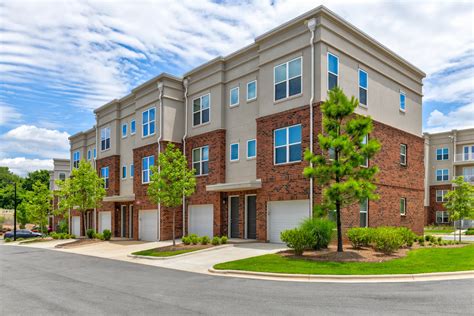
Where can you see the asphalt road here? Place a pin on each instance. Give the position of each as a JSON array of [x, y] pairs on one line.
[[44, 282]]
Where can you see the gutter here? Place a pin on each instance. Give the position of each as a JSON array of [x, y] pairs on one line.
[[312, 27], [160, 136], [185, 83]]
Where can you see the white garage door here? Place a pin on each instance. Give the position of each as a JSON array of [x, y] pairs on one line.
[[201, 220], [105, 221], [76, 225], [148, 225], [283, 215]]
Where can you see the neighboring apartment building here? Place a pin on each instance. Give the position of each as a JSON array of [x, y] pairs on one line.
[[244, 122], [447, 155], [61, 171]]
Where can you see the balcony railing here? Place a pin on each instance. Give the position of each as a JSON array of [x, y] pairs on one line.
[[467, 178], [464, 157]]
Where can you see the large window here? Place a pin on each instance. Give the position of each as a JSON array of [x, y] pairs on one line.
[[201, 160], [287, 79], [333, 71], [251, 148], [442, 217], [148, 122], [104, 173], [440, 195], [132, 170], [105, 138], [201, 110], [133, 127], [364, 211], [76, 157], [364, 142], [124, 171], [363, 87], [466, 150], [89, 154], [95, 153], [442, 174], [403, 206], [234, 96], [442, 154], [403, 97], [124, 130], [234, 152], [403, 154], [147, 162], [252, 90], [287, 144], [62, 176]]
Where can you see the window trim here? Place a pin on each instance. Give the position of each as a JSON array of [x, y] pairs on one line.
[[124, 175], [287, 145], [360, 87], [200, 161], [148, 123], [288, 96], [443, 213], [105, 129], [106, 178], [404, 101], [95, 153], [149, 171], [256, 91], [442, 153], [443, 193], [404, 199], [132, 167], [134, 123], [200, 111], [404, 155], [89, 154], [126, 130], [366, 212], [59, 176], [330, 72], [238, 152], [253, 157], [366, 164], [74, 160], [442, 175], [230, 97]]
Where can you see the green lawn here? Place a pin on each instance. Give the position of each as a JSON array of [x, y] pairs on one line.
[[417, 261], [438, 231], [156, 253]]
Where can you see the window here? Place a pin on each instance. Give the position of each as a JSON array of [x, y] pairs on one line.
[[333, 71], [201, 107], [251, 148], [252, 90], [133, 127], [287, 79], [442, 217], [62, 176], [95, 154], [234, 152], [364, 210], [402, 101], [363, 87], [89, 154], [442, 175], [466, 153], [440, 195], [124, 130], [234, 96], [364, 142], [132, 170], [148, 122], [403, 154], [287, 144], [331, 153], [201, 160], [147, 162], [104, 173], [442, 154], [124, 172], [75, 159], [403, 206], [105, 138]]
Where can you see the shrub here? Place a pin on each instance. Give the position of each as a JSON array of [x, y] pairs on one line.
[[215, 241], [61, 236], [72, 236], [224, 240], [186, 240], [107, 234], [54, 235], [321, 229], [8, 239], [99, 236], [422, 244], [470, 231], [62, 226], [421, 239], [408, 236], [194, 239], [388, 239], [440, 239], [205, 240], [90, 233], [360, 236], [20, 239], [298, 239]]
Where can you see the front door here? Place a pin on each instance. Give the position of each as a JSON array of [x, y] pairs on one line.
[[252, 217], [123, 216], [234, 217]]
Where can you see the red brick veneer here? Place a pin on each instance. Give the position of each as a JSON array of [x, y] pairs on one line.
[[113, 162], [435, 206]]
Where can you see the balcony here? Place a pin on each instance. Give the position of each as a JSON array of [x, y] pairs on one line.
[[467, 158], [468, 178]]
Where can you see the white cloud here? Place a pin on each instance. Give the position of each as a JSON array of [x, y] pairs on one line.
[[8, 115], [462, 117], [22, 165]]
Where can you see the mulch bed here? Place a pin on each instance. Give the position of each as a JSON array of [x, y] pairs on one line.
[[78, 243]]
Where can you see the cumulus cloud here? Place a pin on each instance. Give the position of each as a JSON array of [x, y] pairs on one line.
[[22, 165], [462, 117]]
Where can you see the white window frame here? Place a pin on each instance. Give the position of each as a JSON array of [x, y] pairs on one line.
[[405, 155], [147, 171], [249, 83], [248, 141], [469, 153], [404, 201], [201, 160], [366, 211], [126, 130], [124, 174], [104, 135], [442, 153], [106, 178], [360, 87], [330, 72], [441, 194], [230, 96], [89, 154], [62, 173], [288, 79], [366, 140], [76, 160], [133, 132], [442, 175], [238, 152], [444, 214], [201, 110], [148, 123], [287, 145], [132, 168], [404, 101], [95, 153]]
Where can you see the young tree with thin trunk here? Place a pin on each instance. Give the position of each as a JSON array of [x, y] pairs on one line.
[[342, 169], [83, 190], [38, 204], [460, 201], [170, 180]]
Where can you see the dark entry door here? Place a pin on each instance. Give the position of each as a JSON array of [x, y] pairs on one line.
[[234, 217], [251, 217]]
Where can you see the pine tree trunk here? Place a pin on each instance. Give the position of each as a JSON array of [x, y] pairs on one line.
[[174, 227], [339, 227]]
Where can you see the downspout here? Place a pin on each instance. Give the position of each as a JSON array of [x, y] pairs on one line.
[[185, 83], [160, 136], [312, 27]]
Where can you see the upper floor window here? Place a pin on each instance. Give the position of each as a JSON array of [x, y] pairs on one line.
[[403, 206], [201, 108], [333, 71], [124, 130], [363, 87], [95, 153], [62, 176], [234, 152], [442, 154], [104, 173], [148, 122], [364, 213], [251, 148], [76, 157], [124, 171], [287, 144], [442, 175], [466, 150], [147, 162], [364, 142], [105, 138], [234, 96], [201, 160], [89, 154], [403, 154], [252, 90], [133, 127], [402, 101], [287, 79], [440, 195], [132, 170]]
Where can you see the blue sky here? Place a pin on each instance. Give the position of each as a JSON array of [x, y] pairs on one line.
[[61, 59]]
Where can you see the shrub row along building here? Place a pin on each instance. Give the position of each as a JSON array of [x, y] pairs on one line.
[[243, 122]]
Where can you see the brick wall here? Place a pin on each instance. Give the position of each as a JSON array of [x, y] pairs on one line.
[[113, 162], [435, 206]]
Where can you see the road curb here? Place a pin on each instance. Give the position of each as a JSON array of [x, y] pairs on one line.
[[438, 276], [181, 255]]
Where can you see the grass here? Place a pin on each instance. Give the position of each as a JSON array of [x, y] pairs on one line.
[[417, 261], [438, 230], [158, 253]]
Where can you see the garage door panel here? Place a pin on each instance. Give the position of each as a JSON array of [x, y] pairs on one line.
[[201, 220], [285, 215], [148, 225], [105, 221]]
